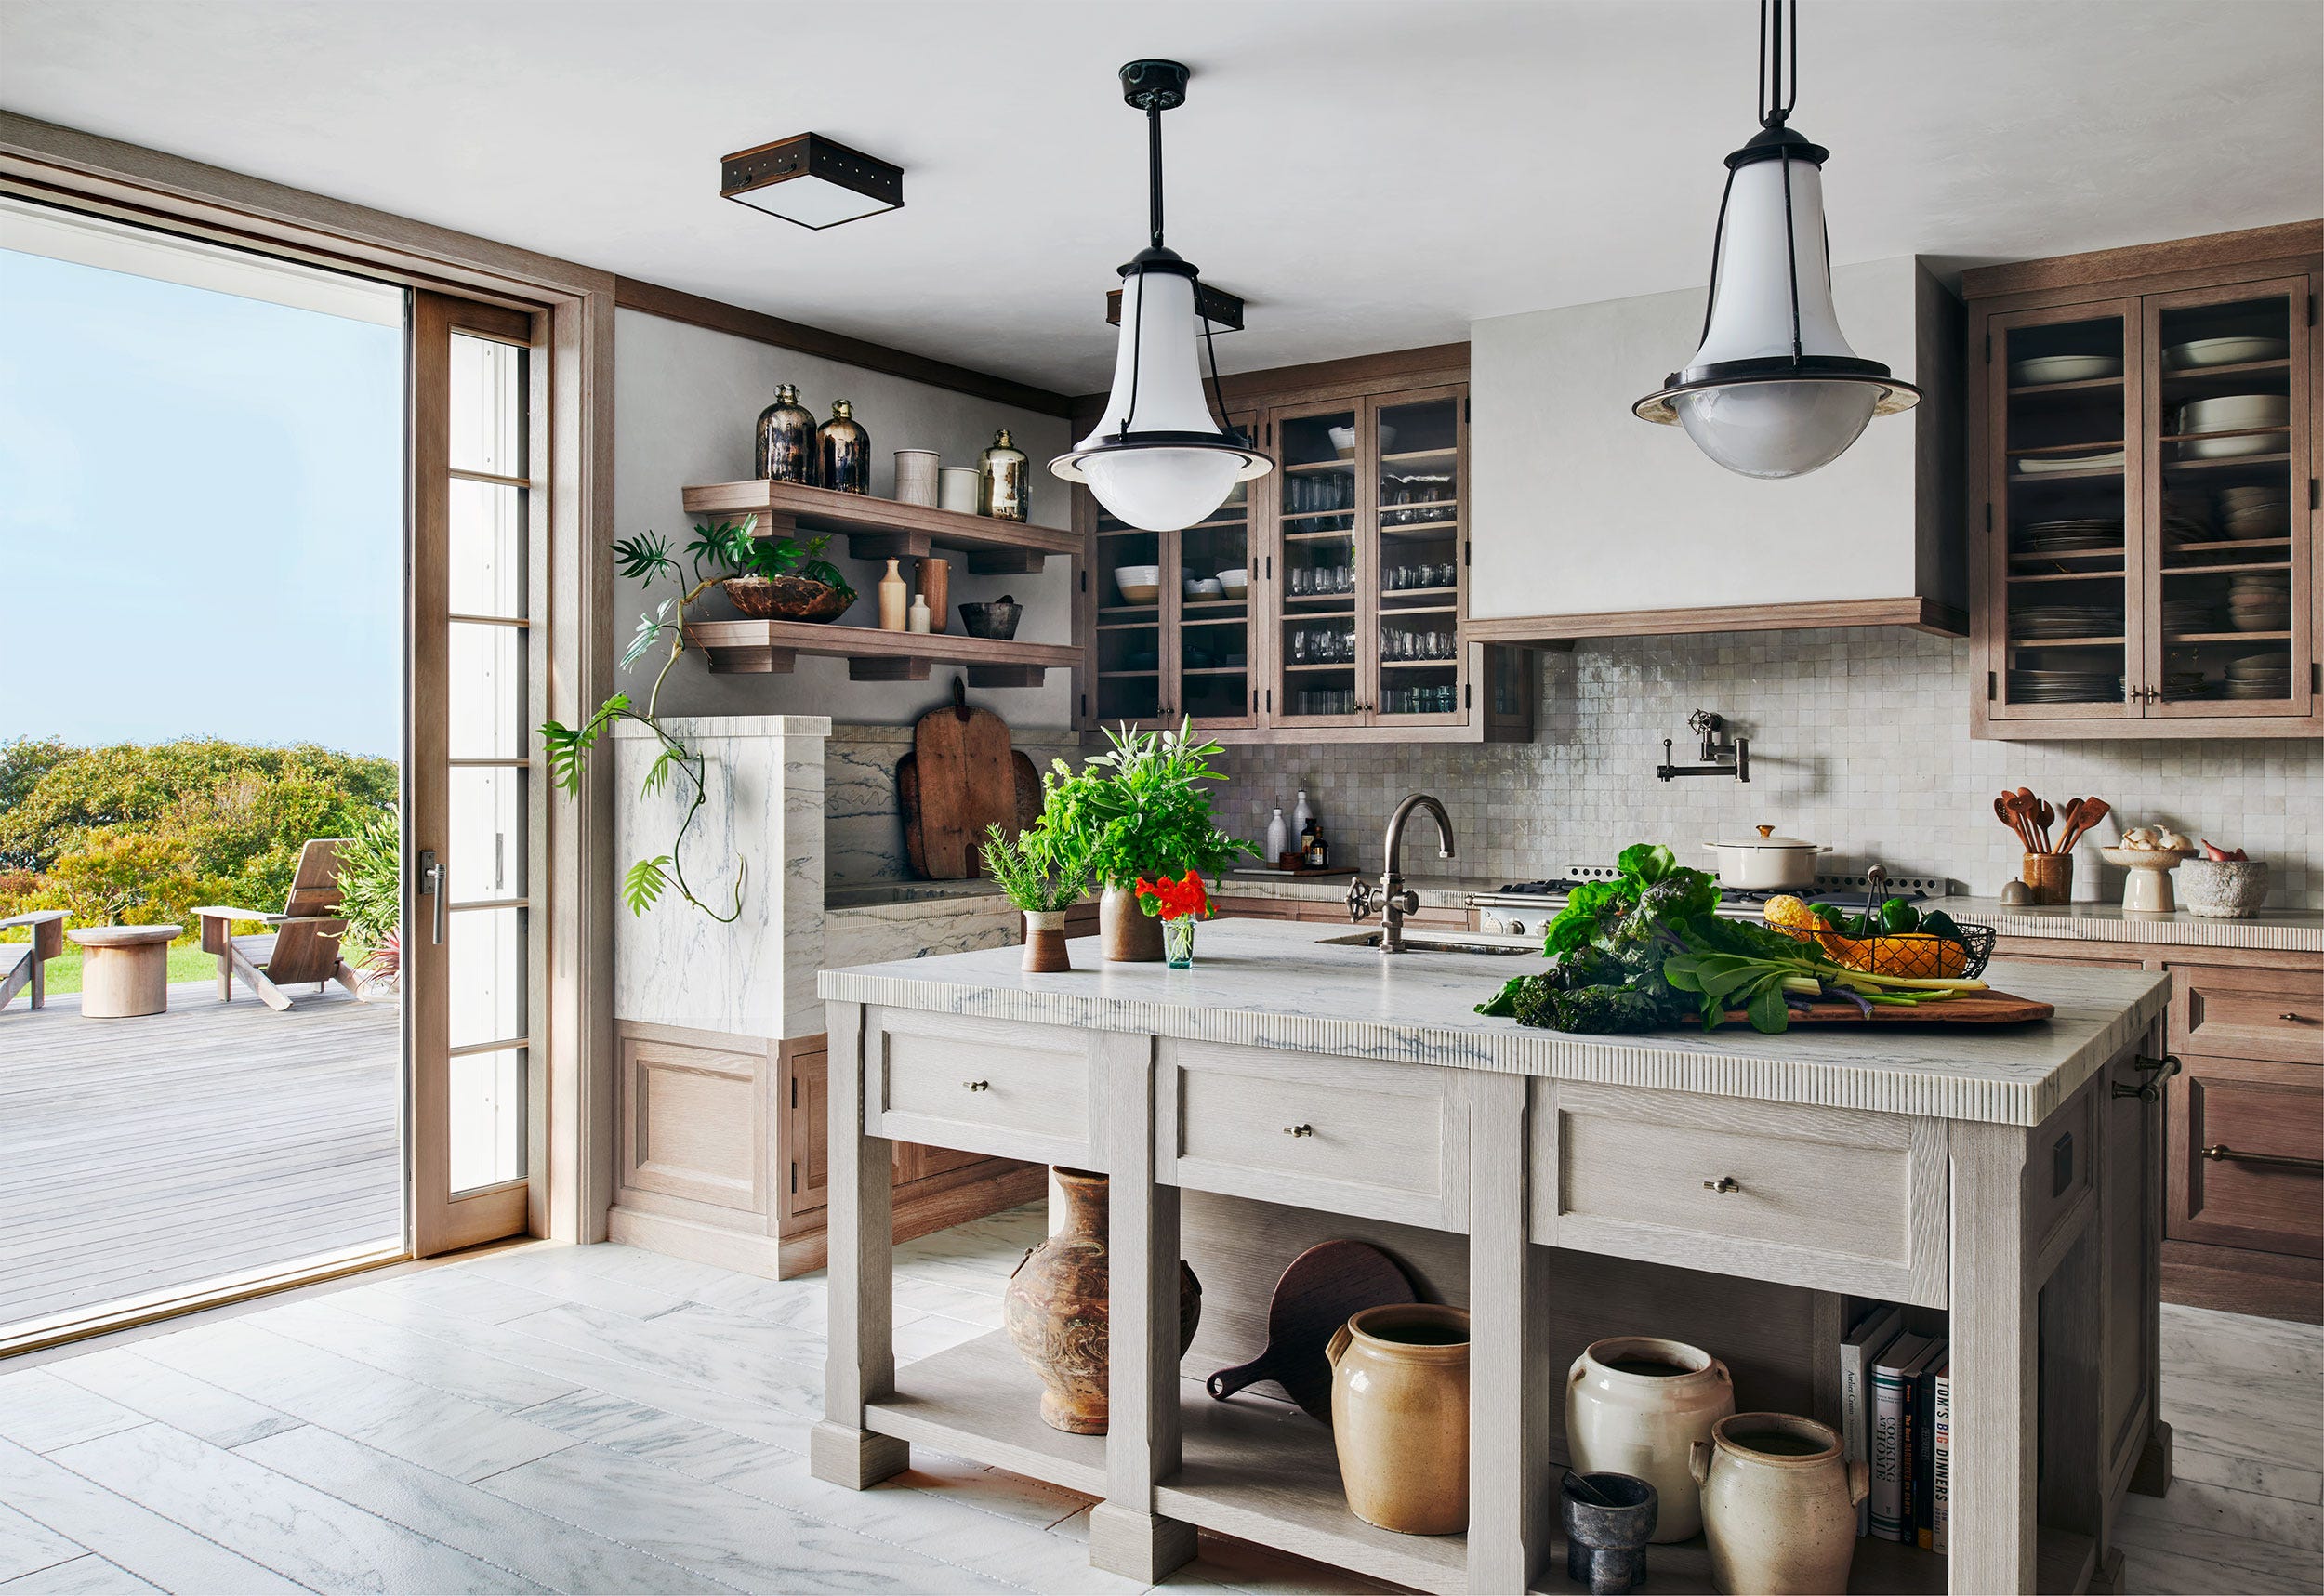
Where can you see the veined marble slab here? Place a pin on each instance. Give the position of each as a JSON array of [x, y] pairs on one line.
[[675, 965], [2294, 930], [1272, 983], [920, 928]]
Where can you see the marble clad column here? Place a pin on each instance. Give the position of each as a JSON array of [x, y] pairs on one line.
[[675, 965]]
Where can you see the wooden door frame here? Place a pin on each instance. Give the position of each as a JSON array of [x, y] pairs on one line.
[[571, 1135]]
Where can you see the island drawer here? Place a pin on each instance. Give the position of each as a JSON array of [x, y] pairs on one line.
[[1835, 1199], [1346, 1136], [993, 1086], [2242, 1012]]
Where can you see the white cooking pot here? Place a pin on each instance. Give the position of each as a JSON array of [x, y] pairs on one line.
[[1766, 861]]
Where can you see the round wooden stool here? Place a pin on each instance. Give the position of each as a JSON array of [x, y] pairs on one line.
[[124, 971]]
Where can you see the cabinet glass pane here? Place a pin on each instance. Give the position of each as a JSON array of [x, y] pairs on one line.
[[1128, 583], [1420, 555], [2225, 418], [487, 575], [485, 693], [1320, 501], [487, 406], [2071, 542], [1214, 573], [487, 1119], [486, 974]]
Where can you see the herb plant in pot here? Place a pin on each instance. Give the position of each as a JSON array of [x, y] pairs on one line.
[[773, 578], [1144, 808], [1044, 872]]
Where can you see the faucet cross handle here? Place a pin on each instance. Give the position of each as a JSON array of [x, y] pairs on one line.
[[1359, 898]]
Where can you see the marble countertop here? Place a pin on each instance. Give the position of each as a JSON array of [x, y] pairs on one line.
[[2291, 929], [1272, 983]]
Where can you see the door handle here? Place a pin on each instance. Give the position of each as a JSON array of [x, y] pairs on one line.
[[2224, 1154], [2153, 1073], [431, 879]]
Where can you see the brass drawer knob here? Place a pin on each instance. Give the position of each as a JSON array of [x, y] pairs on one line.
[[978, 1085], [1724, 1183], [1298, 1130]]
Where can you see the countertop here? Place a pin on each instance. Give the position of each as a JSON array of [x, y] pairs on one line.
[[1274, 983]]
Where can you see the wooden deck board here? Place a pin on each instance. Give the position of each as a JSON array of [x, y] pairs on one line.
[[152, 1154]]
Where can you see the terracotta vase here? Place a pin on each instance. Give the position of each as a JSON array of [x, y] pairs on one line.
[[1634, 1406], [1400, 1416], [1128, 934], [1045, 942], [1779, 1504], [1055, 1310]]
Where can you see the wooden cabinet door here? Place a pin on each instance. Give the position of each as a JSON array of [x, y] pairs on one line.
[[807, 1133], [2129, 1234], [2247, 1156], [1322, 552], [1419, 573]]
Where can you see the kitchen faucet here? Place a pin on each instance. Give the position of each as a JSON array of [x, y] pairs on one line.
[[1395, 900]]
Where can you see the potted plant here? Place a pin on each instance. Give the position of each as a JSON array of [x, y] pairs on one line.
[[1044, 872], [773, 578], [1143, 807]]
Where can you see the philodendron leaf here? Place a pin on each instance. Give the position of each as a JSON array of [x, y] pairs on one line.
[[657, 774], [649, 633], [644, 883]]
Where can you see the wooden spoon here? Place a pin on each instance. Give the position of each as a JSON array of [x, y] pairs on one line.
[[2093, 810], [2021, 804], [2067, 817], [2001, 814], [2044, 815]]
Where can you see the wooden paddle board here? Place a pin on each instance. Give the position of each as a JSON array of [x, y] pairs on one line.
[[1323, 1287], [908, 804]]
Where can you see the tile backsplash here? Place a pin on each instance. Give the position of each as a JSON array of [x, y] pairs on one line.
[[1860, 739]]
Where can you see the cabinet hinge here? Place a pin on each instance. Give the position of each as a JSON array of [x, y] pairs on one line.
[[794, 1178], [2316, 676], [1464, 553], [1988, 349], [1988, 517], [1085, 581], [1468, 695], [1993, 686], [1085, 705], [1464, 403], [2311, 309], [2316, 499], [1254, 701], [1270, 700], [793, 1091]]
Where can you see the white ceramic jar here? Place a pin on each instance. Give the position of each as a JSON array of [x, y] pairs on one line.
[[1778, 1503], [1635, 1404]]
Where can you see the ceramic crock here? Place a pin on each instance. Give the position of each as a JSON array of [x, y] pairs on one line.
[[1623, 1418], [1128, 934], [1400, 1416], [1779, 1504], [1056, 1309], [1045, 942], [1766, 861]]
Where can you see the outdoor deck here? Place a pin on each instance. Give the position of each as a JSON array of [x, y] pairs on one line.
[[139, 1155]]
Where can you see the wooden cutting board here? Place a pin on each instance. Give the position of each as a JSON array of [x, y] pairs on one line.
[[908, 801], [1323, 1287], [963, 780], [1971, 1008]]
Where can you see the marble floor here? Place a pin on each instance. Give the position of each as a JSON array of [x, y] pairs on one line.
[[608, 1419]]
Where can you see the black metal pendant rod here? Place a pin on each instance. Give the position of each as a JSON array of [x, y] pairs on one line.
[[1154, 170], [1778, 90]]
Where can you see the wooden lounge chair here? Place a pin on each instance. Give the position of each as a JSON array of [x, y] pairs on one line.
[[21, 962], [303, 943]]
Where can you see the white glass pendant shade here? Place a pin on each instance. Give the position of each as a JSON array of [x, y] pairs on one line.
[[1171, 465], [1776, 428], [1751, 317]]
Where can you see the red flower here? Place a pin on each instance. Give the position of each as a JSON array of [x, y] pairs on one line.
[[1177, 899]]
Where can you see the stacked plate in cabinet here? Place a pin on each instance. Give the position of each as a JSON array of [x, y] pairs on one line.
[[2198, 353], [2260, 675], [2035, 622], [2083, 534], [2178, 686], [2235, 412], [2259, 600], [2064, 687], [2261, 510], [2042, 370], [2181, 616], [2088, 460]]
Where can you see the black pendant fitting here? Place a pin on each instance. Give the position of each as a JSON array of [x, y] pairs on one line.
[[1154, 86]]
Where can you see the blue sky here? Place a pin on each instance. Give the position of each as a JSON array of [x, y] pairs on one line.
[[201, 514]]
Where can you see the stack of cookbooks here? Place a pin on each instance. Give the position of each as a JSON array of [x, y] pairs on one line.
[[1895, 1393]]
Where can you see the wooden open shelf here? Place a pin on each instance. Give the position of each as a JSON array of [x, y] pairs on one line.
[[736, 647], [886, 528]]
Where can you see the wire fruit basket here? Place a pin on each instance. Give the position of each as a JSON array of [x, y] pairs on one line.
[[1918, 955]]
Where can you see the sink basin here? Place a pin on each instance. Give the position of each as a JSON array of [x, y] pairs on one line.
[[1440, 942]]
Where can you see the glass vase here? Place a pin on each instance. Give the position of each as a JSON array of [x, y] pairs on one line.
[[1178, 942]]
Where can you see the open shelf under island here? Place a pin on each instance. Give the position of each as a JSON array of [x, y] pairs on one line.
[[2006, 1183]]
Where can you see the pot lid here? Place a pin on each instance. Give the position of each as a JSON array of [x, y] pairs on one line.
[[1766, 838]]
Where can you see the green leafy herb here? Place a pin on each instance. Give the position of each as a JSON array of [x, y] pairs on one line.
[[1143, 807]]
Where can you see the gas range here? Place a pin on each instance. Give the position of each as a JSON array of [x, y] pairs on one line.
[[1524, 908]]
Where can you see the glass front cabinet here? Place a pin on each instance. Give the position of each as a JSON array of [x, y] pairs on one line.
[[1323, 605], [2146, 472]]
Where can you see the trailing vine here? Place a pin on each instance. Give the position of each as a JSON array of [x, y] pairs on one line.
[[729, 550]]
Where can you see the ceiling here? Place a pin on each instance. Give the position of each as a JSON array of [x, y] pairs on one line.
[[1369, 175]]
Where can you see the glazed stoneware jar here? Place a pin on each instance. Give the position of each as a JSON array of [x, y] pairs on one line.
[[1634, 1406], [1779, 1504], [1400, 1416], [1128, 934]]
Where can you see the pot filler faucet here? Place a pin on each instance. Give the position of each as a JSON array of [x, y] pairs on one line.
[[1393, 899], [1721, 756]]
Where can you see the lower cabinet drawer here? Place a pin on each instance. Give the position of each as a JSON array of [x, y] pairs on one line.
[[2246, 1138], [1831, 1199], [993, 1086], [2245, 1013], [1347, 1135]]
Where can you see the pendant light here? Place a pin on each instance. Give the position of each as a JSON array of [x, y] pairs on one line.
[[1158, 458], [1774, 391]]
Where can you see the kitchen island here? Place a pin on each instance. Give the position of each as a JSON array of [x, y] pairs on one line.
[[1748, 1194]]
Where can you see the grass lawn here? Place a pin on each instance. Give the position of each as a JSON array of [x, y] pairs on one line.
[[185, 963]]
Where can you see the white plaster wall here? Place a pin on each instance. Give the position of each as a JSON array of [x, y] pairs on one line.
[[1579, 506], [686, 404]]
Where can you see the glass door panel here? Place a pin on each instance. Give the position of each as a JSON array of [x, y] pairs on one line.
[[2229, 547], [1212, 669], [1417, 575], [1324, 504], [1129, 568], [2066, 469]]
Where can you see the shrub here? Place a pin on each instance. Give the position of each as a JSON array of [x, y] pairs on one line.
[[371, 879]]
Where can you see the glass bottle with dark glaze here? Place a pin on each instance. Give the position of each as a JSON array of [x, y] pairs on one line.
[[1003, 481], [787, 440], [845, 448]]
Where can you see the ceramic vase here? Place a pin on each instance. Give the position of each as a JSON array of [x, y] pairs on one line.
[[1045, 942], [917, 621], [1400, 1416], [1779, 1504], [916, 476], [1128, 934], [937, 588], [1278, 837], [1055, 1310], [787, 440], [956, 489], [891, 600], [1634, 1404]]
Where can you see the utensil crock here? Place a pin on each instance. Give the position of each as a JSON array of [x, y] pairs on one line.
[[2049, 876]]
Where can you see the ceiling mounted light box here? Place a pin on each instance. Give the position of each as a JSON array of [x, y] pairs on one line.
[[812, 180]]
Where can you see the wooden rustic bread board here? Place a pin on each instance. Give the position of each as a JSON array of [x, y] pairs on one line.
[[1969, 1009], [908, 803], [1317, 1294]]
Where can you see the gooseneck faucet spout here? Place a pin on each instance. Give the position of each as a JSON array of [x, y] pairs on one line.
[[1396, 903]]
